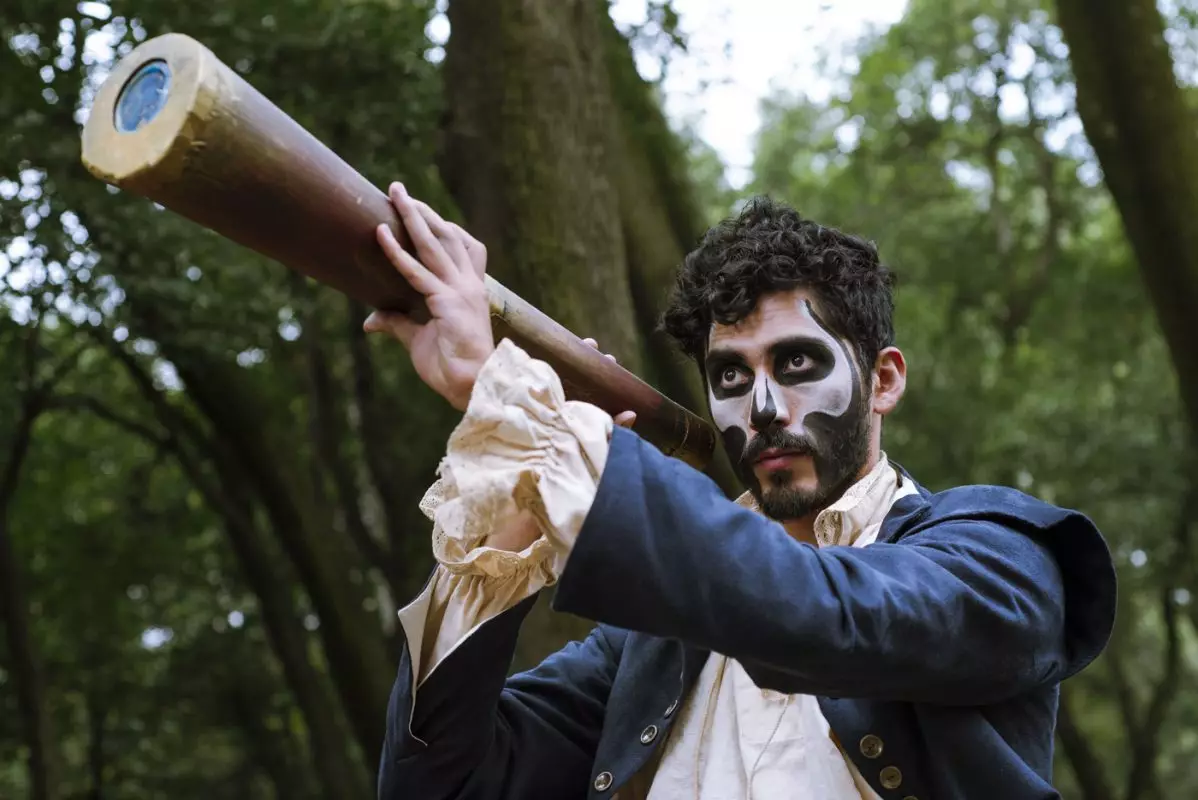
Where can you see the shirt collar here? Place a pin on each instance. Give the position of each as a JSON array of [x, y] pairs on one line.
[[862, 507]]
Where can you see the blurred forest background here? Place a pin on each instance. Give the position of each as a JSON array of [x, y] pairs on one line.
[[209, 478]]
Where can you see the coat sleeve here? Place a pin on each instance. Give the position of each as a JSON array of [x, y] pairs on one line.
[[471, 733], [963, 611]]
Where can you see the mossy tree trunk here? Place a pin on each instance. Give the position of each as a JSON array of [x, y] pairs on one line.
[[25, 662], [563, 164], [1138, 120]]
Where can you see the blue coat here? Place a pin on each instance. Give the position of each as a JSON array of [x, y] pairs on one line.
[[936, 653]]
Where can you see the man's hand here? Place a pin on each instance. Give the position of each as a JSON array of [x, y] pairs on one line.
[[449, 350]]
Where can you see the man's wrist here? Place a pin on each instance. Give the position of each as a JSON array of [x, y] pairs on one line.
[[460, 398]]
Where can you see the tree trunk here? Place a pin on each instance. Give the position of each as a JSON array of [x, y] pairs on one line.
[[563, 165], [14, 611], [229, 498], [661, 222], [1088, 768], [275, 751], [334, 766], [1142, 130], [353, 645], [97, 727], [528, 156]]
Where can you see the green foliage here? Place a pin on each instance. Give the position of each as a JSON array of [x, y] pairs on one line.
[[198, 400], [161, 673], [1034, 358]]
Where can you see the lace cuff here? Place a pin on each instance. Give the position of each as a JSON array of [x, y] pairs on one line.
[[521, 447]]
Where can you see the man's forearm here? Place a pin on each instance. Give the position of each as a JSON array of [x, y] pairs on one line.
[[440, 732], [461, 734]]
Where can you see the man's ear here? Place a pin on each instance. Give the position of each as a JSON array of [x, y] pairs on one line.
[[890, 381]]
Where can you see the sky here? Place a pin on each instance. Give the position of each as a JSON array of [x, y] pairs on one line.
[[739, 51]]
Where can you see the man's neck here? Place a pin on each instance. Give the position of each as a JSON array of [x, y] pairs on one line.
[[802, 529]]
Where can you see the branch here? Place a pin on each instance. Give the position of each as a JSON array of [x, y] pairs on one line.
[[64, 365], [1146, 745], [174, 422], [373, 432], [180, 434], [14, 614], [1004, 238], [1087, 767], [1123, 694], [83, 402], [1023, 300], [328, 432], [1146, 741], [29, 352]]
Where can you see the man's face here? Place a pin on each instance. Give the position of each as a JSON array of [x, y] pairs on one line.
[[786, 394]]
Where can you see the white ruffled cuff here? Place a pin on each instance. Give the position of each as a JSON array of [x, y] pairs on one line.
[[520, 448]]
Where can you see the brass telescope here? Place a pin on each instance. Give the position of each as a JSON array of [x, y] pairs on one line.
[[174, 124]]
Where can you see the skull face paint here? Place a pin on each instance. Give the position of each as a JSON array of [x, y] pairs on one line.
[[786, 395]]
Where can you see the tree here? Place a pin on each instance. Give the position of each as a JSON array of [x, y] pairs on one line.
[[561, 161], [1140, 121], [284, 453], [954, 145], [34, 384], [217, 510]]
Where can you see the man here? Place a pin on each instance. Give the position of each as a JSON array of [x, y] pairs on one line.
[[837, 632]]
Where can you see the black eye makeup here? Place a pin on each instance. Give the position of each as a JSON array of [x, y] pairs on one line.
[[801, 360], [793, 361], [728, 375]]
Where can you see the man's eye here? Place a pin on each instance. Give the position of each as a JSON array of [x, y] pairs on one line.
[[798, 362], [731, 377]]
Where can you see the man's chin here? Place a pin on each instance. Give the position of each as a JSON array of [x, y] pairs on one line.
[[788, 503]]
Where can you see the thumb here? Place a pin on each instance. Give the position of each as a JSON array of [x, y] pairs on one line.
[[395, 323]]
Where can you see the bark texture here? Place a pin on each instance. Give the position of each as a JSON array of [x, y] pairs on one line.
[[1137, 119], [28, 674], [563, 164]]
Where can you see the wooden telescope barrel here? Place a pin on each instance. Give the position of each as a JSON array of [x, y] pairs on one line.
[[174, 124]]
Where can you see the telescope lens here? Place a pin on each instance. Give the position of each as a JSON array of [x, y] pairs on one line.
[[142, 96]]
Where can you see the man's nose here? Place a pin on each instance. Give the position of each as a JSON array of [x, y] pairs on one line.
[[766, 411]]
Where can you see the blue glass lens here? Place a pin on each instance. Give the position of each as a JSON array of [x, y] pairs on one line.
[[143, 96]]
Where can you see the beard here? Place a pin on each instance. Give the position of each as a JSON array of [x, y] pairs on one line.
[[838, 447]]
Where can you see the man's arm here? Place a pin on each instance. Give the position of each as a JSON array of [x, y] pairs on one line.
[[470, 733], [967, 611], [456, 728]]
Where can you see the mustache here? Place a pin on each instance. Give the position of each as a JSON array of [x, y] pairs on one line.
[[776, 438]]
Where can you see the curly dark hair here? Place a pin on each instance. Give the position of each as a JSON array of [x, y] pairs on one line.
[[769, 247]]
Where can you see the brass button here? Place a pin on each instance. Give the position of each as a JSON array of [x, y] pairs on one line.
[[673, 707], [910, 797], [649, 734], [871, 746], [890, 777], [603, 781]]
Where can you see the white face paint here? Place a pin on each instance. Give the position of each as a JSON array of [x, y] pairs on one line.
[[777, 367]]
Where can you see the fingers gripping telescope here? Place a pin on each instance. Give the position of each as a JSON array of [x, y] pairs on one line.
[[174, 124]]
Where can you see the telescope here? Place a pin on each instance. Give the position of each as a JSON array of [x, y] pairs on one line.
[[174, 124]]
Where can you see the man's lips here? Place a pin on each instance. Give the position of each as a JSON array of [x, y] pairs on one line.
[[776, 457]]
